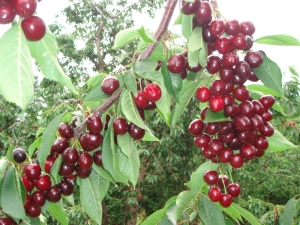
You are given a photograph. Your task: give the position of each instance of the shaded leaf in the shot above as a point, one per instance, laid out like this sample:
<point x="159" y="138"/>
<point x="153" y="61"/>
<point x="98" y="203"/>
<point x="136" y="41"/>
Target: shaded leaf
<point x="130" y="82"/>
<point x="149" y="137"/>
<point x="209" y="212"/>
<point x="154" y="218"/>
<point x="278" y="39"/>
<point x="55" y="168"/>
<point x="212" y="116"/>
<point x="263" y="89"/>
<point x="246" y="214"/>
<point x="95" y="80"/>
<point x="126" y="144"/>
<point x="182" y="201"/>
<point x="145" y="67"/>
<point x="58" y="212"/>
<point x="195" y="40"/>
<point x="34" y="146"/>
<point x="163" y="105"/>
<point x="287" y="217"/>
<point x="102" y="172"/>
<point x="278" y="143"/>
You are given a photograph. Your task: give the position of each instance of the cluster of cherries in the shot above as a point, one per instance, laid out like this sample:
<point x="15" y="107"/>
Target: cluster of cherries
<point x="33" y="27"/>
<point x="243" y="136"/>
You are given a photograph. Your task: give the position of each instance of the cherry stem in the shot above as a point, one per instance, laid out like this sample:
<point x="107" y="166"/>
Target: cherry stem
<point x="162" y="28"/>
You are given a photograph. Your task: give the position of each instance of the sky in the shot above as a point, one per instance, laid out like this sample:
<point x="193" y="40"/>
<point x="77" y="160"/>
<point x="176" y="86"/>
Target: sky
<point x="269" y="17"/>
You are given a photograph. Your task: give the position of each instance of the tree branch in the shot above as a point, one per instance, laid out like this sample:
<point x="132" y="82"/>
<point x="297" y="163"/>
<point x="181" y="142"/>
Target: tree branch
<point x="162" y="28"/>
<point x="100" y="56"/>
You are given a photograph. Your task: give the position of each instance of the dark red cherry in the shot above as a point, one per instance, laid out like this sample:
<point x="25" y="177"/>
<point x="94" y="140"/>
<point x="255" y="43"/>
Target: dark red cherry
<point x="246" y="108"/>
<point x="258" y="107"/>
<point x="91" y="141"/>
<point x="214" y="194"/>
<point x="120" y="126"/>
<point x="7" y="14"/>
<point x="267" y="115"/>
<point x="152" y="92"/>
<point x="110" y="84"/>
<point x="43" y="183"/>
<point x="225" y="155"/>
<point x="267" y="101"/>
<point x="135" y="132"/>
<point x="24" y="8"/>
<point x="210" y="177"/>
<point x="151" y="106"/>
<point x="249" y="44"/>
<point x="32" y="171"/>
<point x="202" y="140"/>
<point x="232" y="27"/>
<point x="217" y="27"/>
<point x="242" y="69"/>
<point x="189" y="8"/>
<point x="60" y="145"/>
<point x="19" y="155"/>
<point x="176" y="63"/>
<point x="261" y="142"/>
<point x="254" y="58"/>
<point x="140" y="101"/>
<point x="204" y="11"/>
<point x="85" y="161"/>
<point x="94" y="124"/>
<point x="28" y="183"/>
<point x="65" y="130"/>
<point x="222" y="180"/>
<point x="242" y="123"/>
<point x="215" y="146"/>
<point x="233" y="189"/>
<point x="239" y="41"/>
<point x="247" y="28"/>
<point x="207" y="153"/>
<point x="213" y="64"/>
<point x="196" y="127"/>
<point x="53" y="194"/>
<point x="248" y="151"/>
<point x="49" y="163"/>
<point x="97" y="157"/>
<point x="66" y="170"/>
<point x="230" y="59"/>
<point x="216" y="103"/>
<point x="207" y="36"/>
<point x="217" y="87"/>
<point x="26" y="203"/>
<point x="33" y="210"/>
<point x="237" y="161"/>
<point x="241" y="93"/>
<point x="203" y="94"/>
<point x="34" y="28"/>
<point x="38" y="198"/>
<point x="70" y="156"/>
<point x="267" y="130"/>
<point x="225" y="200"/>
<point x="211" y="128"/>
<point x="66" y="187"/>
<point x="82" y="173"/>
<point x="5" y="2"/>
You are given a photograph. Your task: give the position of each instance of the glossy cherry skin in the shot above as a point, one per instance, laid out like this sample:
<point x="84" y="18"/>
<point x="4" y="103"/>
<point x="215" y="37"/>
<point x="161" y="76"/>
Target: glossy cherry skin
<point x="32" y="171"/>
<point x="70" y="156"/>
<point x="196" y="127"/>
<point x="202" y="140"/>
<point x="214" y="194"/>
<point x="225" y="200"/>
<point x="176" y="63"/>
<point x="210" y="177"/>
<point x="230" y="59"/>
<point x="152" y="92"/>
<point x="49" y="163"/>
<point x="189" y="8"/>
<point x="248" y="151"/>
<point x="217" y="87"/>
<point x="120" y="126"/>
<point x="85" y="161"/>
<point x="34" y="28"/>
<point x="204" y="11"/>
<point x="65" y="130"/>
<point x="53" y="194"/>
<point x="7" y="14"/>
<point x="216" y="103"/>
<point x="242" y="123"/>
<point x="222" y="181"/>
<point x="28" y="183"/>
<point x="66" y="187"/>
<point x="140" y="101"/>
<point x="60" y="145"/>
<point x="233" y="189"/>
<point x="5" y="2"/>
<point x="135" y="132"/>
<point x="239" y="41"/>
<point x="89" y="141"/>
<point x="24" y="8"/>
<point x="110" y="84"/>
<point x="261" y="142"/>
<point x="267" y="101"/>
<point x="217" y="27"/>
<point x="19" y="155"/>
<point x="215" y="146"/>
<point x="237" y="161"/>
<point x="247" y="28"/>
<point x="38" y="198"/>
<point x="43" y="183"/>
<point x="82" y="173"/>
<point x="66" y="170"/>
<point x="213" y="64"/>
<point x="203" y="94"/>
<point x="232" y="27"/>
<point x="26" y="203"/>
<point x="33" y="210"/>
<point x="94" y="124"/>
<point x="241" y="93"/>
<point x="258" y="107"/>
<point x="222" y="44"/>
<point x="254" y="58"/>
<point x="97" y="157"/>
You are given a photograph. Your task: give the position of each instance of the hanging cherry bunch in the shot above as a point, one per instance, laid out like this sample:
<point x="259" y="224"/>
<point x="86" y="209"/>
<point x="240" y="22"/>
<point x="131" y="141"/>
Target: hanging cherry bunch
<point x="33" y="26"/>
<point x="231" y="61"/>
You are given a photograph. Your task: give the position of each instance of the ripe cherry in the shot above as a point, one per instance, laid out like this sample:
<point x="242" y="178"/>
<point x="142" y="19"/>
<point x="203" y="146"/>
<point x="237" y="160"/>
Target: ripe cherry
<point x="202" y="140"/>
<point x="89" y="141"/>
<point x="215" y="146"/>
<point x="241" y="93"/>
<point x="242" y="69"/>
<point x="70" y="156"/>
<point x="267" y="115"/>
<point x="225" y="200"/>
<point x="207" y="153"/>
<point x="237" y="161"/>
<point x="43" y="183"/>
<point x="140" y="100"/>
<point x="214" y="194"/>
<point x="247" y="28"/>
<point x="33" y="210"/>
<point x="211" y="128"/>
<point x="65" y="130"/>
<point x="239" y="41"/>
<point x="135" y="132"/>
<point x="248" y="151"/>
<point x="232" y="27"/>
<point x="60" y="145"/>
<point x="66" y="187"/>
<point x="203" y="94"/>
<point x="97" y="157"/>
<point x="66" y="170"/>
<point x="19" y="155"/>
<point x="82" y="173"/>
<point x="196" y="127"/>
<point x="85" y="161"/>
<point x="24" y="8"/>
<point x="216" y="103"/>
<point x="53" y="194"/>
<point x="26" y="203"/>
<point x="176" y="63"/>
<point x="230" y="59"/>
<point x="267" y="130"/>
<point x="210" y="177"/>
<point x="94" y="124"/>
<point x="204" y="11"/>
<point x="38" y="198"/>
<point x="222" y="181"/>
<point x="261" y="142"/>
<point x="34" y="28"/>
<point x="242" y="123"/>
<point x="7" y="14"/>
<point x="217" y="87"/>
<point x="254" y="58"/>
<point x="225" y="155"/>
<point x="28" y="183"/>
<point x="120" y="126"/>
<point x="49" y="163"/>
<point x="226" y="74"/>
<point x="267" y="101"/>
<point x="110" y="84"/>
<point x="213" y="64"/>
<point x="207" y="36"/>
<point x="189" y="8"/>
<point x="233" y="189"/>
<point x="217" y="27"/>
<point x="246" y="108"/>
<point x="32" y="171"/>
<point x="152" y="92"/>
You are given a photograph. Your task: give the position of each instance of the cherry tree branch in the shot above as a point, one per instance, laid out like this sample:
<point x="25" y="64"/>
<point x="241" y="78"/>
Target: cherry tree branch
<point x="162" y="28"/>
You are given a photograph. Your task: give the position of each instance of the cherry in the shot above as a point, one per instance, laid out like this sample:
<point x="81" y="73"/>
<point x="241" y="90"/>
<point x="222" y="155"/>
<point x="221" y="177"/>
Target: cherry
<point x="235" y="144"/>
<point x="207" y="36"/>
<point x="203" y="94"/>
<point x="89" y="141"/>
<point x="66" y="187"/>
<point x="5" y="2"/>
<point x="214" y="194"/>
<point x="257" y="122"/>
<point x="7" y="14"/>
<point x="32" y="171"/>
<point x="237" y="161"/>
<point x="246" y="108"/>
<point x="142" y="113"/>
<point x="28" y="183"/>
<point x="140" y="100"/>
<point x="259" y="153"/>
<point x="225" y="200"/>
<point x="215" y="146"/>
<point x="267" y="101"/>
<point x="247" y="28"/>
<point x="244" y="137"/>
<point x="19" y="155"/>
<point x="26" y="203"/>
<point x="242" y="123"/>
<point x="4" y="221"/>
<point x="70" y="156"/>
<point x="261" y="142"/>
<point x="43" y="183"/>
<point x="48" y="164"/>
<point x="97" y="157"/>
<point x="38" y="198"/>
<point x="24" y="8"/>
<point x="110" y="84"/>
<point x="60" y="145"/>
<point x="230" y="59"/>
<point x="258" y="107"/>
<point x="151" y="106"/>
<point x="225" y="127"/>
<point x="202" y="140"/>
<point x="267" y="130"/>
<point x="217" y="87"/>
<point x="202" y="22"/>
<point x="66" y="170"/>
<point x="226" y="74"/>
<point x="120" y="126"/>
<point x="135" y="132"/>
<point x="226" y="138"/>
<point x="213" y="64"/>
<point x="242" y="69"/>
<point x="107" y="119"/>
<point x="222" y="181"/>
<point x="53" y="194"/>
<point x="203" y="112"/>
<point x="249" y="44"/>
<point x="85" y="161"/>
<point x="239" y="41"/>
<point x="248" y="151"/>
<point x="196" y="127"/>
<point x="189" y="8"/>
<point x="176" y="63"/>
<point x="82" y="173"/>
<point x="94" y="124"/>
<point x="210" y="177"/>
<point x="34" y="28"/>
<point x="229" y="86"/>
<point x="225" y="155"/>
<point x="241" y="93"/>
<point x="216" y="103"/>
<point x="152" y="92"/>
<point x="217" y="27"/>
<point x="267" y="115"/>
<point x="211" y="128"/>
<point x="232" y="27"/>
<point x="207" y="153"/>
<point x="65" y="130"/>
<point x="204" y="11"/>
<point x="233" y="189"/>
<point x="11" y="221"/>
<point x="227" y="99"/>
<point x="254" y="58"/>
<point x="33" y="210"/>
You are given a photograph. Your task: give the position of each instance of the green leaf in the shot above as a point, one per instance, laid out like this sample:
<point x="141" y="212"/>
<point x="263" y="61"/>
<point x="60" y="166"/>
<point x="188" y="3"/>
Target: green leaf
<point x="163" y="105"/>
<point x="96" y="93"/>
<point x="270" y="75"/>
<point x="212" y="116"/>
<point x="101" y="183"/>
<point x="183" y="200"/>
<point x="193" y="215"/>
<point x="209" y="212"/>
<point x="126" y="144"/>
<point x="55" y="168"/>
<point x="95" y="80"/>
<point x="194" y="43"/>
<point x="186" y="26"/>
<point x="11" y="200"/>
<point x="149" y="137"/>
<point x="9" y="154"/>
<point x="203" y="54"/>
<point x="125" y="36"/>
<point x="130" y="111"/>
<point x="130" y="167"/>
<point x="185" y="97"/>
<point x="159" y="53"/>
<point x="178" y="19"/>
<point x="197" y="181"/>
<point x="263" y="89"/>
<point x="287" y="217"/>
<point x="130" y="82"/>
<point x="235" y="215"/>
<point x="16" y="72"/>
<point x="154" y="218"/>
<point x="90" y="198"/>
<point x="145" y="68"/>
<point x="278" y="39"/>
<point x="102" y="172"/>
<point x="246" y="214"/>
<point x="145" y="36"/>
<point x="45" y="53"/>
<point x="34" y="146"/>
<point x="48" y="139"/>
<point x="228" y="221"/>
<point x="40" y="131"/>
<point x="3" y="167"/>
<point x="278" y="143"/>
<point x="58" y="212"/>
<point x="193" y="58"/>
